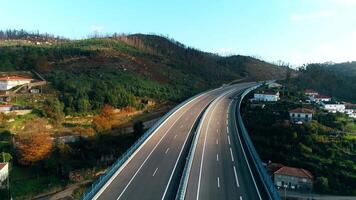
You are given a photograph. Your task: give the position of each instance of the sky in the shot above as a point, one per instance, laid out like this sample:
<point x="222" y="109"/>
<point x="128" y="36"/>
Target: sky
<point x="293" y="31"/>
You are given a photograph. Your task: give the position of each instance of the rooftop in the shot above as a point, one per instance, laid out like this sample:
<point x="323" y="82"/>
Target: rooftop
<point x="14" y="78"/>
<point x="319" y="96"/>
<point x="301" y="110"/>
<point x="297" y="172"/>
<point x="310" y="91"/>
<point x="2" y="165"/>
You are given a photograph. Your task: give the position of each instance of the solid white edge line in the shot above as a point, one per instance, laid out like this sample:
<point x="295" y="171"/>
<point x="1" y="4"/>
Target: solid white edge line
<point x="97" y="195"/>
<point x="180" y="153"/>
<point x="154" y="148"/>
<point x="243" y="151"/>
<point x="206" y="132"/>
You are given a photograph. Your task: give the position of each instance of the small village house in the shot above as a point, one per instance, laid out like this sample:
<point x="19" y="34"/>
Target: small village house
<point x="293" y="178"/>
<point x="310" y="92"/>
<point x="350" y="110"/>
<point x="266" y="96"/>
<point x="300" y="115"/>
<point x="333" y="107"/>
<point x="320" y="98"/>
<point x="4" y="172"/>
<point x="274" y="85"/>
<point x="8" y="82"/>
<point x="5" y="108"/>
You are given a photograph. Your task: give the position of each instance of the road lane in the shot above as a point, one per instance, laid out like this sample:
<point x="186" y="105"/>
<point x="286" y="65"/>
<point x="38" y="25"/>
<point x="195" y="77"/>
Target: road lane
<point x="153" y="172"/>
<point x="219" y="169"/>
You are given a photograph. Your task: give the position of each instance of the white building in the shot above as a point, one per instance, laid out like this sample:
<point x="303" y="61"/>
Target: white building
<point x="4" y="172"/>
<point x="350" y="110"/>
<point x="300" y="115"/>
<point x="320" y="98"/>
<point x="8" y="82"/>
<point x="333" y="107"/>
<point x="266" y="96"/>
<point x="5" y="108"/>
<point x="274" y="85"/>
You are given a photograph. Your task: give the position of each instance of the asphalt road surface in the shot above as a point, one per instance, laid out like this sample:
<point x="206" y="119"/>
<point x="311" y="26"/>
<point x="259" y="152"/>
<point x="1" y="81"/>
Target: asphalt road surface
<point x="154" y="170"/>
<point x="219" y="168"/>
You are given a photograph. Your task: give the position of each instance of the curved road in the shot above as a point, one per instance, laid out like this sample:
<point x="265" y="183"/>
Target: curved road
<point x="154" y="170"/>
<point x="220" y="169"/>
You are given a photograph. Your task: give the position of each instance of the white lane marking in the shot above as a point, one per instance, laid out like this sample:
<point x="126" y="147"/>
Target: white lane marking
<point x="175" y="136"/>
<point x="217" y="141"/>
<point x="217" y="130"/>
<point x="217" y="157"/>
<point x="218" y="182"/>
<point x="228" y="139"/>
<point x="248" y="165"/>
<point x="155" y="172"/>
<point x="180" y="154"/>
<point x="206" y="133"/>
<point x="236" y="178"/>
<point x="218" y="122"/>
<point x="167" y="151"/>
<point x="227" y="122"/>
<point x="240" y="197"/>
<point x="227" y="130"/>
<point x="232" y="156"/>
<point x="149" y="155"/>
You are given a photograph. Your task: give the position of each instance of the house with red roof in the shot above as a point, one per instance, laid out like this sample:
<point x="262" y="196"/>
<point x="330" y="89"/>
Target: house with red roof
<point x="320" y="98"/>
<point x="8" y="82"/>
<point x="5" y="108"/>
<point x="300" y="115"/>
<point x="310" y="92"/>
<point x="293" y="178"/>
<point x="4" y="172"/>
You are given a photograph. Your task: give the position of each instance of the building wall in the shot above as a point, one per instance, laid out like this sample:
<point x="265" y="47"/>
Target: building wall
<point x="334" y="107"/>
<point x="293" y="182"/>
<point x="266" y="97"/>
<point x="8" y="84"/>
<point x="306" y="117"/>
<point x="4" y="173"/>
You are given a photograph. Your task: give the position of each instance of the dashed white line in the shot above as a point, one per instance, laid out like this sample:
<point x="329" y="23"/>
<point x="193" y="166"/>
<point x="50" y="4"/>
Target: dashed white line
<point x="227" y="122"/>
<point x="240" y="197"/>
<point x="228" y="139"/>
<point x="167" y="151"/>
<point x="217" y="141"/>
<point x="175" y="136"/>
<point x="155" y="172"/>
<point x="217" y="157"/>
<point x="236" y="178"/>
<point x="218" y="182"/>
<point x="232" y="156"/>
<point x="227" y="130"/>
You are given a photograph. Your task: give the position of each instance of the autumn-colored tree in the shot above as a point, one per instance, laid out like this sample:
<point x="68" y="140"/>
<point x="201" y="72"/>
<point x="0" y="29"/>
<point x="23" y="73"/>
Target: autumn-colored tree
<point x="103" y="122"/>
<point x="34" y="142"/>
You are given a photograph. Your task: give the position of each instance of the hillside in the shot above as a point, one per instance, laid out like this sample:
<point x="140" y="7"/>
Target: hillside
<point x="337" y="80"/>
<point x="124" y="70"/>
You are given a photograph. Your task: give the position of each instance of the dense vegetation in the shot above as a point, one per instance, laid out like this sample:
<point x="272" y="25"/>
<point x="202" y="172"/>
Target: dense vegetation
<point x="123" y="70"/>
<point x="337" y="80"/>
<point x="326" y="146"/>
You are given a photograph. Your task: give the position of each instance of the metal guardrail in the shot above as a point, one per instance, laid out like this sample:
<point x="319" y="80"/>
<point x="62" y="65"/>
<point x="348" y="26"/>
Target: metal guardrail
<point x="261" y="170"/>
<point x="100" y="182"/>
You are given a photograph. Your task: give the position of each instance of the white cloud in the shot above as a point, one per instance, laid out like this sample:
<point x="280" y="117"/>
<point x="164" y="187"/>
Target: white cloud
<point x="313" y="15"/>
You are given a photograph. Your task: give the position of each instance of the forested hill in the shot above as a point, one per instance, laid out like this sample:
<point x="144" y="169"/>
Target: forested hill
<point x="122" y="70"/>
<point x="337" y="80"/>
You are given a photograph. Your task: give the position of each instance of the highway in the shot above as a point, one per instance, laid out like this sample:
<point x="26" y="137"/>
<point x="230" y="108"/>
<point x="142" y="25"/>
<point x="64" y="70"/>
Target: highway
<point x="219" y="167"/>
<point x="154" y="170"/>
